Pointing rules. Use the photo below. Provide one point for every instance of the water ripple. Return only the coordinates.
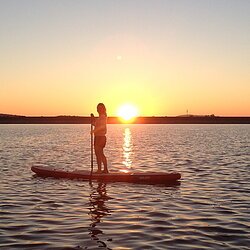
(209, 210)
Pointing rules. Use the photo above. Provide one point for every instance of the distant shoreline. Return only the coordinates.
(12, 119)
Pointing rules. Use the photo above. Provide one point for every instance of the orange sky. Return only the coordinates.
(162, 56)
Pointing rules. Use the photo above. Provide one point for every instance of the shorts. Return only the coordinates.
(100, 141)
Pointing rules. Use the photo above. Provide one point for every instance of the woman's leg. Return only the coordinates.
(104, 161)
(98, 153)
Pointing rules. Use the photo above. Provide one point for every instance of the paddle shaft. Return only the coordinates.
(92, 144)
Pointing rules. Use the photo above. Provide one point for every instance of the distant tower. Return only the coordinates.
(187, 112)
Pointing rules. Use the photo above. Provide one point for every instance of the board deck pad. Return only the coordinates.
(133, 177)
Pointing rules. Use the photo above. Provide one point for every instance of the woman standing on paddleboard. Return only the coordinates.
(100, 130)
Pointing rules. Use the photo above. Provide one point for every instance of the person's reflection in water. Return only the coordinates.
(97, 211)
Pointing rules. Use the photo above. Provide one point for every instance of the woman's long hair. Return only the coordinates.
(101, 109)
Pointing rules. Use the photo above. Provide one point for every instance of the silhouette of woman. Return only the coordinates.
(100, 130)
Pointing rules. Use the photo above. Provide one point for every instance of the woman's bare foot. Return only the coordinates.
(98, 172)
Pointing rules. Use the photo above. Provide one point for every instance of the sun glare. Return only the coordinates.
(127, 112)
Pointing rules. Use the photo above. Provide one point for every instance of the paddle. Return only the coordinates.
(91, 142)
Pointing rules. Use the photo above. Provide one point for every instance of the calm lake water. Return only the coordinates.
(210, 209)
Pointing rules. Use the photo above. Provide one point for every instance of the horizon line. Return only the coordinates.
(116, 116)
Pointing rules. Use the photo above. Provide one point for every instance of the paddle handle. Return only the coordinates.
(91, 144)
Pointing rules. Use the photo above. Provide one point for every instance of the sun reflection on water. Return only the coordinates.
(127, 148)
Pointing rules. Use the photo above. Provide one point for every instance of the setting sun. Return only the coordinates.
(127, 112)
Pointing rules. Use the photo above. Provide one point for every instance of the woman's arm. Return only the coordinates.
(92, 121)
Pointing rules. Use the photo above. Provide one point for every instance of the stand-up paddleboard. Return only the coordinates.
(133, 177)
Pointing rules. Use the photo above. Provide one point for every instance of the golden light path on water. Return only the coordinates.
(127, 148)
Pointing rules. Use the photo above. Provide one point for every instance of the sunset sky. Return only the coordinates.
(63, 57)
